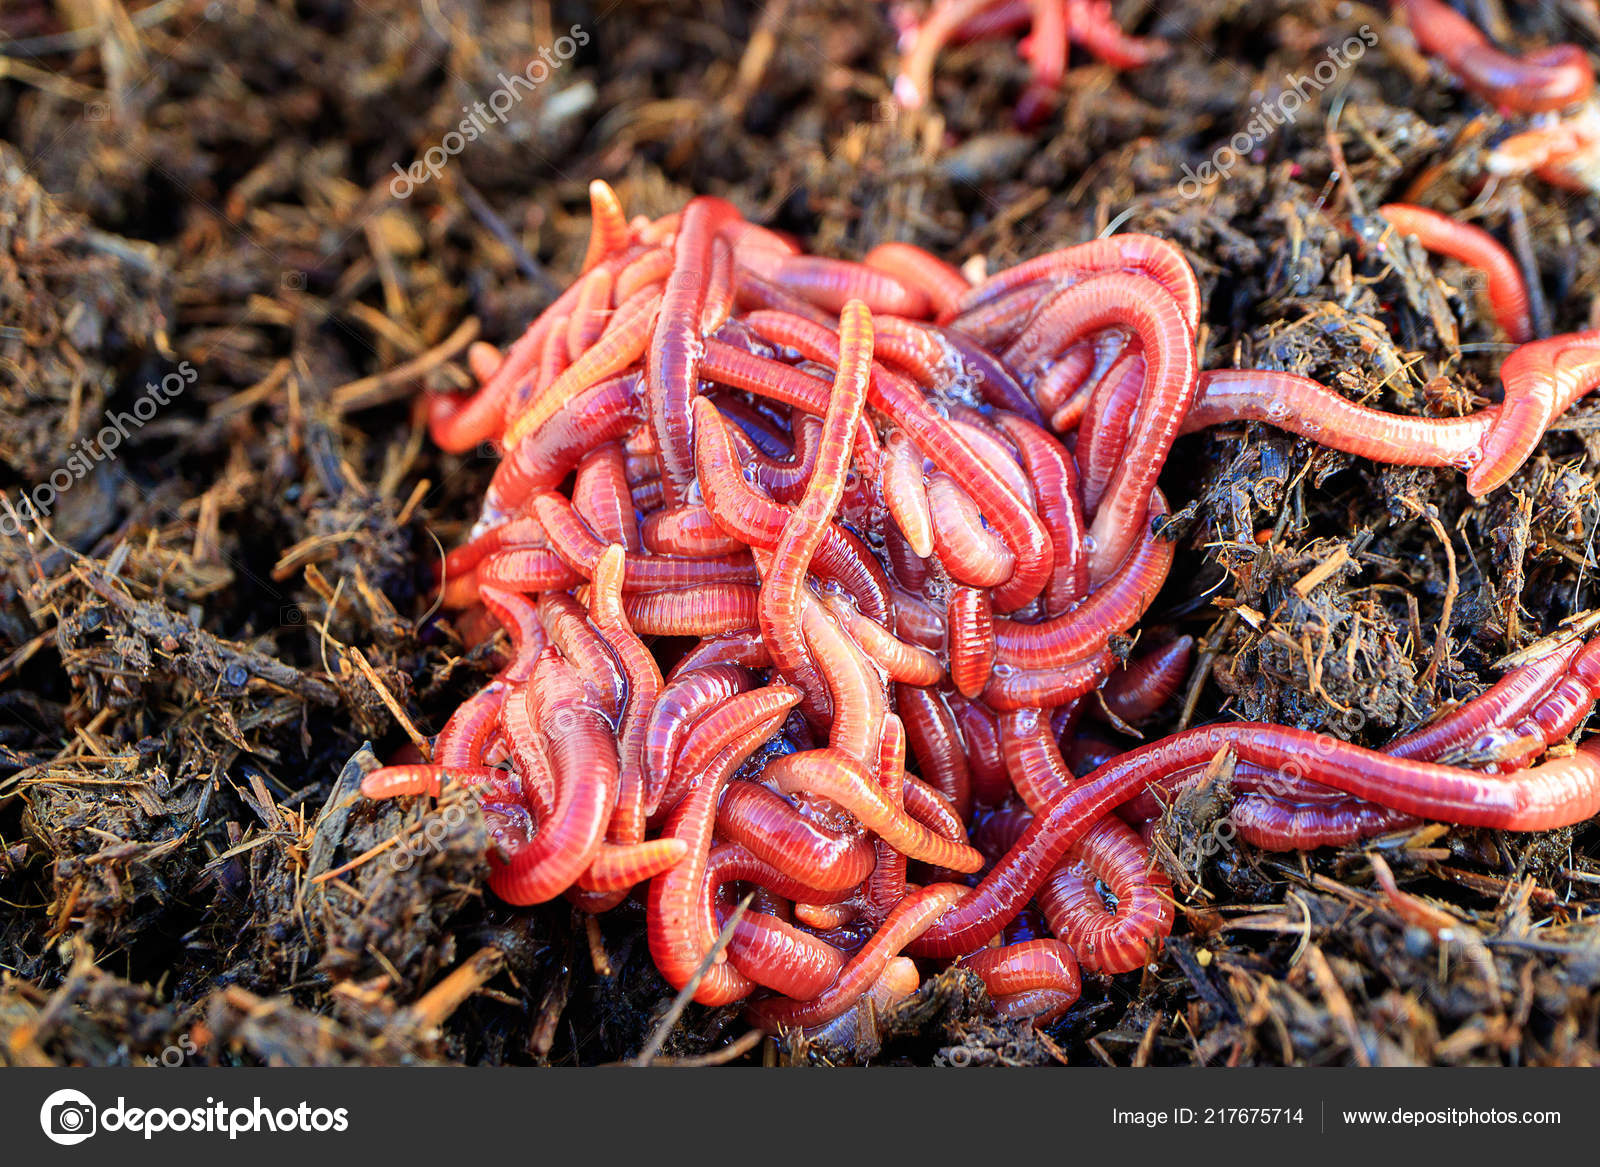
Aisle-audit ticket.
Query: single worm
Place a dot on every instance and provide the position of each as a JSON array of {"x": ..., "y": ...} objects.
[
  {"x": 1540, "y": 81},
  {"x": 676, "y": 344},
  {"x": 942, "y": 284},
  {"x": 1476, "y": 248},
  {"x": 1037, "y": 979}
]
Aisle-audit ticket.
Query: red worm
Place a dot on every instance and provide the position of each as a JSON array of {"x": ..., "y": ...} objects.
[
  {"x": 1560, "y": 791},
  {"x": 1148, "y": 255},
  {"x": 466, "y": 735},
  {"x": 1138, "y": 692},
  {"x": 907, "y": 921},
  {"x": 808, "y": 523},
  {"x": 730, "y": 862},
  {"x": 483, "y": 359},
  {"x": 1017, "y": 688},
  {"x": 1118, "y": 929},
  {"x": 855, "y": 687},
  {"x": 882, "y": 568},
  {"x": 681, "y": 925},
  {"x": 1122, "y": 300},
  {"x": 531, "y": 569},
  {"x": 785, "y": 479},
  {"x": 1094, "y": 28},
  {"x": 608, "y": 231},
  {"x": 771, "y": 829},
  {"x": 980, "y": 743},
  {"x": 601, "y": 497},
  {"x": 681, "y": 702},
  {"x": 1541, "y": 380},
  {"x": 914, "y": 85},
  {"x": 972, "y": 646},
  {"x": 571, "y": 539},
  {"x": 753, "y": 292},
  {"x": 1111, "y": 609},
  {"x": 1065, "y": 387},
  {"x": 676, "y": 346},
  {"x": 1103, "y": 434},
  {"x": 781, "y": 957},
  {"x": 935, "y": 741},
  {"x": 905, "y": 493},
  {"x": 643, "y": 677},
  {"x": 918, "y": 621},
  {"x": 520, "y": 618},
  {"x": 432, "y": 778},
  {"x": 591, "y": 313},
  {"x": 835, "y": 775},
  {"x": 1274, "y": 824},
  {"x": 524, "y": 531},
  {"x": 990, "y": 445},
  {"x": 1542, "y": 80},
  {"x": 1046, "y": 49},
  {"x": 1476, "y": 248},
  {"x": 909, "y": 410},
  {"x": 968, "y": 549},
  {"x": 1032, "y": 758},
  {"x": 583, "y": 756},
  {"x": 1036, "y": 979},
  {"x": 1110, "y": 862},
  {"x": 932, "y": 809},
  {"x": 1055, "y": 485},
  {"x": 619, "y": 868},
  {"x": 886, "y": 886},
  {"x": 719, "y": 295},
  {"x": 601, "y": 413},
  {"x": 529, "y": 758},
  {"x": 942, "y": 284},
  {"x": 898, "y": 980},
  {"x": 900, "y": 661},
  {"x": 759, "y": 433},
  {"x": 742, "y": 647},
  {"x": 566, "y": 623},
  {"x": 1505, "y": 702},
  {"x": 707, "y": 610},
  {"x": 1559, "y": 712},
  {"x": 1305, "y": 407},
  {"x": 832, "y": 283},
  {"x": 749, "y": 516},
  {"x": 995, "y": 382},
  {"x": 456, "y": 426},
  {"x": 688, "y": 531},
  {"x": 649, "y": 268},
  {"x": 622, "y": 345}
]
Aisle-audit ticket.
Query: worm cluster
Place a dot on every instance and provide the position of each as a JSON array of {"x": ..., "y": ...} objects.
[{"x": 808, "y": 567}]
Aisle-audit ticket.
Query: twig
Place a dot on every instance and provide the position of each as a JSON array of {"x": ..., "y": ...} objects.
[
  {"x": 393, "y": 384},
  {"x": 686, "y": 994},
  {"x": 416, "y": 736},
  {"x": 722, "y": 1056}
]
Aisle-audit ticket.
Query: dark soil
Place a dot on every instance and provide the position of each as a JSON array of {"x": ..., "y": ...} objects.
[{"x": 232, "y": 607}]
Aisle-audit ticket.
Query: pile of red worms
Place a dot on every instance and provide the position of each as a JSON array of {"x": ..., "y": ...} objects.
[{"x": 810, "y": 568}]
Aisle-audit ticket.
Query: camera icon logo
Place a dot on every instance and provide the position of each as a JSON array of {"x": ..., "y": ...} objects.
[{"x": 68, "y": 1117}]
